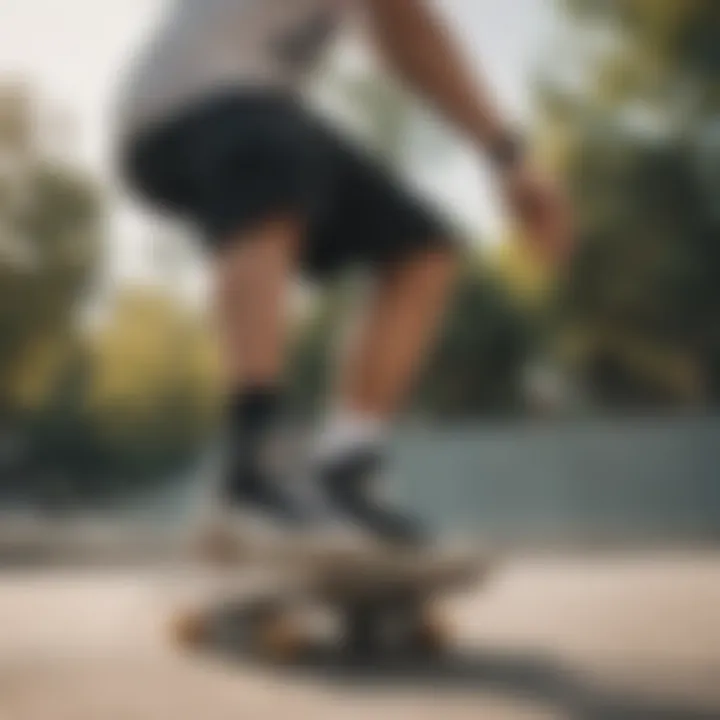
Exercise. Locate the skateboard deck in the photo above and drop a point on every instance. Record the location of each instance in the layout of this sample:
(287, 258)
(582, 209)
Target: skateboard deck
(364, 607)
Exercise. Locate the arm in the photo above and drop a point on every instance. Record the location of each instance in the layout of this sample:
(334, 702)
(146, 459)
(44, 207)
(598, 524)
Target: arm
(419, 48)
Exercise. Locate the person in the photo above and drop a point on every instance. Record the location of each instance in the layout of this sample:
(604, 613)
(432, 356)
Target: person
(215, 129)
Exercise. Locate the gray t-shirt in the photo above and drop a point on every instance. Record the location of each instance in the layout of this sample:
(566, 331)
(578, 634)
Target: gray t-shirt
(204, 46)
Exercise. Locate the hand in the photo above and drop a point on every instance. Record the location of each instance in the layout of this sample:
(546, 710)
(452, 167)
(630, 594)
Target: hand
(542, 211)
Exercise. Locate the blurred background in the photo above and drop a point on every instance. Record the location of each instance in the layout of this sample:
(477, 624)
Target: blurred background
(558, 413)
(554, 403)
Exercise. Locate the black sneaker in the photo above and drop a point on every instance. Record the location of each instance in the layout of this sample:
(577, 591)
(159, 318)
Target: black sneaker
(258, 479)
(268, 506)
(347, 484)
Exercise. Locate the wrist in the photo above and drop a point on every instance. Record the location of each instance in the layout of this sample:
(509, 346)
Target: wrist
(506, 150)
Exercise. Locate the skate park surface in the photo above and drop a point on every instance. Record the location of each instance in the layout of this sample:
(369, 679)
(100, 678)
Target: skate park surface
(603, 635)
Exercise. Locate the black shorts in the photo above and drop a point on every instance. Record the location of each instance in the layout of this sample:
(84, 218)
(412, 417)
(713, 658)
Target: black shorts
(233, 161)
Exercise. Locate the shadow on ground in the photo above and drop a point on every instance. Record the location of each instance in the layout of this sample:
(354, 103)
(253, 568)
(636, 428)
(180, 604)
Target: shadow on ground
(534, 678)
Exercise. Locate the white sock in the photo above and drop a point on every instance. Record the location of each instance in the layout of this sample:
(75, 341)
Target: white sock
(345, 431)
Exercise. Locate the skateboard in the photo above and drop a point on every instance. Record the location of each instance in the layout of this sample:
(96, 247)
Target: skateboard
(363, 607)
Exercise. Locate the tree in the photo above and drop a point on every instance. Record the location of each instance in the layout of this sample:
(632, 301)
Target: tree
(50, 241)
(99, 409)
(153, 384)
(641, 307)
(477, 367)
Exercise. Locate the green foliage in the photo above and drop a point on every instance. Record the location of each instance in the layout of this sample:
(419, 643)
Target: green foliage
(476, 368)
(642, 169)
(50, 222)
(95, 412)
(153, 378)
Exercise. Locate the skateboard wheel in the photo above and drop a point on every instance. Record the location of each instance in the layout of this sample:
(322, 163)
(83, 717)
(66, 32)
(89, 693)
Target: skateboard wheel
(362, 637)
(190, 629)
(276, 638)
(429, 636)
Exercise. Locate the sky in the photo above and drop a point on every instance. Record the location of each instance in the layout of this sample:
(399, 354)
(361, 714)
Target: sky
(73, 52)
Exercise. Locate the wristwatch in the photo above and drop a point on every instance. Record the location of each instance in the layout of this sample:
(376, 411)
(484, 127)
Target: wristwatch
(507, 151)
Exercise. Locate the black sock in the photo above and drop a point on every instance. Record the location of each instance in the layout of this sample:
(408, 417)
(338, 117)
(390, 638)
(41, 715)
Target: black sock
(253, 410)
(251, 415)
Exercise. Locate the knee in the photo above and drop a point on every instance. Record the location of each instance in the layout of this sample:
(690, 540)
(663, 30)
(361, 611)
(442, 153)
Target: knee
(446, 259)
(435, 266)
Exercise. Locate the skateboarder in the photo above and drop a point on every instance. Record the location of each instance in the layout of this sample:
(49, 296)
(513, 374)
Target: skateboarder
(215, 129)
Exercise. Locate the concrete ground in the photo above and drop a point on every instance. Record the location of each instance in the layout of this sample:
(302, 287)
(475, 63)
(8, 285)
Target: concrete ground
(618, 637)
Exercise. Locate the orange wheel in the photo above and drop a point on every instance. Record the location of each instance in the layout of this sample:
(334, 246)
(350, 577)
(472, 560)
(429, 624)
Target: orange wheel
(277, 638)
(430, 635)
(190, 629)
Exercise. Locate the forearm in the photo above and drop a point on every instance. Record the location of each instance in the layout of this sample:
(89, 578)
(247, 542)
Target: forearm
(419, 48)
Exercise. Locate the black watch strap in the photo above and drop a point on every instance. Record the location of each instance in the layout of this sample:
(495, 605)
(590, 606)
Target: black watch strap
(507, 151)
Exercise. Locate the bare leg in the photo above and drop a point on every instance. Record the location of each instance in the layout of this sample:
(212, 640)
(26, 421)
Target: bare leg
(380, 367)
(399, 325)
(252, 279)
